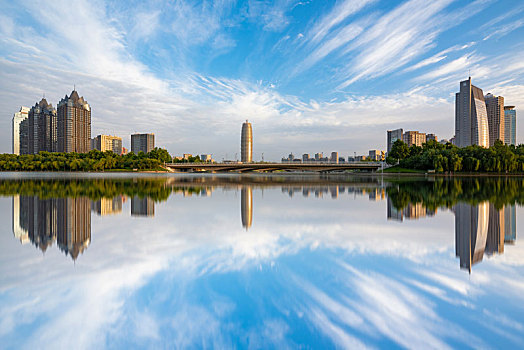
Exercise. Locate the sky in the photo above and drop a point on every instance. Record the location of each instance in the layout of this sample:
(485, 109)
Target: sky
(311, 76)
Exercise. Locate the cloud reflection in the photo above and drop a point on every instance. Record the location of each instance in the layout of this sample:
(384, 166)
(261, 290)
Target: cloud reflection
(310, 270)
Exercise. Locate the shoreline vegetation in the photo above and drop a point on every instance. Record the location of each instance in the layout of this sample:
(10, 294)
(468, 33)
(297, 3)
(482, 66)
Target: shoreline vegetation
(432, 158)
(437, 158)
(85, 162)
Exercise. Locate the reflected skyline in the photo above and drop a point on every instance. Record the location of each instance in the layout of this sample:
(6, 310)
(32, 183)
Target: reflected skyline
(482, 229)
(44, 222)
(479, 230)
(308, 265)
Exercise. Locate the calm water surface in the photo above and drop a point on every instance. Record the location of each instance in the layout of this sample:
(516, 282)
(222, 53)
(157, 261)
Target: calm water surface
(134, 261)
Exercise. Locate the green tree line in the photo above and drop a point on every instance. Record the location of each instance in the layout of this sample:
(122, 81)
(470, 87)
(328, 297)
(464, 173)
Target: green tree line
(91, 161)
(432, 155)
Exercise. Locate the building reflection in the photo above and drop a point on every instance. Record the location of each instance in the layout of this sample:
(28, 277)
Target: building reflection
(246, 206)
(482, 229)
(19, 216)
(412, 211)
(374, 194)
(142, 206)
(108, 206)
(66, 221)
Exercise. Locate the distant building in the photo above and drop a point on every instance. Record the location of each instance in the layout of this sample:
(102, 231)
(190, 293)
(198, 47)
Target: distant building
(430, 137)
(341, 159)
(319, 156)
(495, 110)
(305, 157)
(142, 143)
(246, 143)
(74, 124)
(206, 158)
(377, 155)
(42, 128)
(107, 143)
(290, 158)
(186, 156)
(334, 157)
(19, 131)
(471, 116)
(510, 125)
(414, 138)
(124, 150)
(394, 135)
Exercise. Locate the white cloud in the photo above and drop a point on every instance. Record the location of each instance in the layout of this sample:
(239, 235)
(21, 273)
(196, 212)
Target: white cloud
(337, 15)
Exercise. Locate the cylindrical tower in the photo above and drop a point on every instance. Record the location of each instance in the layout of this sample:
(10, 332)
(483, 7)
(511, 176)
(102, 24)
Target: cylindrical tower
(246, 143)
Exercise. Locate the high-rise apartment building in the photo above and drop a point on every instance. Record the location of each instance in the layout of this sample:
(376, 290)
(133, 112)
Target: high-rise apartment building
(394, 135)
(41, 128)
(334, 157)
(107, 143)
(495, 109)
(142, 143)
(431, 137)
(471, 116)
(414, 138)
(19, 129)
(510, 125)
(74, 124)
(246, 143)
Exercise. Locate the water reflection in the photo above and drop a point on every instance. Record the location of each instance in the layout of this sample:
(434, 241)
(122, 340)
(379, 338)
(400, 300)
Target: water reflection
(327, 262)
(480, 228)
(43, 222)
(108, 206)
(246, 206)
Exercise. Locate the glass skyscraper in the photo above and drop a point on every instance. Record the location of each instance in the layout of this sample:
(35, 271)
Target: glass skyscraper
(471, 116)
(510, 125)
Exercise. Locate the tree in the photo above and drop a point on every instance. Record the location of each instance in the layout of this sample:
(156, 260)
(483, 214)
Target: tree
(399, 150)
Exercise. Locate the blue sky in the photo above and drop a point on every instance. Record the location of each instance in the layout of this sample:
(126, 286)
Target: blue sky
(311, 75)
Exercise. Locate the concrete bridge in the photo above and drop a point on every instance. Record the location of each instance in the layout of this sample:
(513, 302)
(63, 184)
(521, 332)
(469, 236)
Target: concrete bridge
(270, 167)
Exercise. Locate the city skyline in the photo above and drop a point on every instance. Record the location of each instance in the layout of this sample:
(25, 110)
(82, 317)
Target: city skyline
(323, 71)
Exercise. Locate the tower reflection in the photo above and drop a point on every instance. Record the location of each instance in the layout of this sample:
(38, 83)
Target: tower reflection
(43, 222)
(482, 229)
(246, 206)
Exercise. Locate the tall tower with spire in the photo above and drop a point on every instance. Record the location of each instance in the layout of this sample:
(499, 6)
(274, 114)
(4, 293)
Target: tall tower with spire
(74, 124)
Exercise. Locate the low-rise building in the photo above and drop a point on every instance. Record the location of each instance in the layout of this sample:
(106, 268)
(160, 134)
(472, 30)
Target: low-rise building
(377, 155)
(107, 143)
